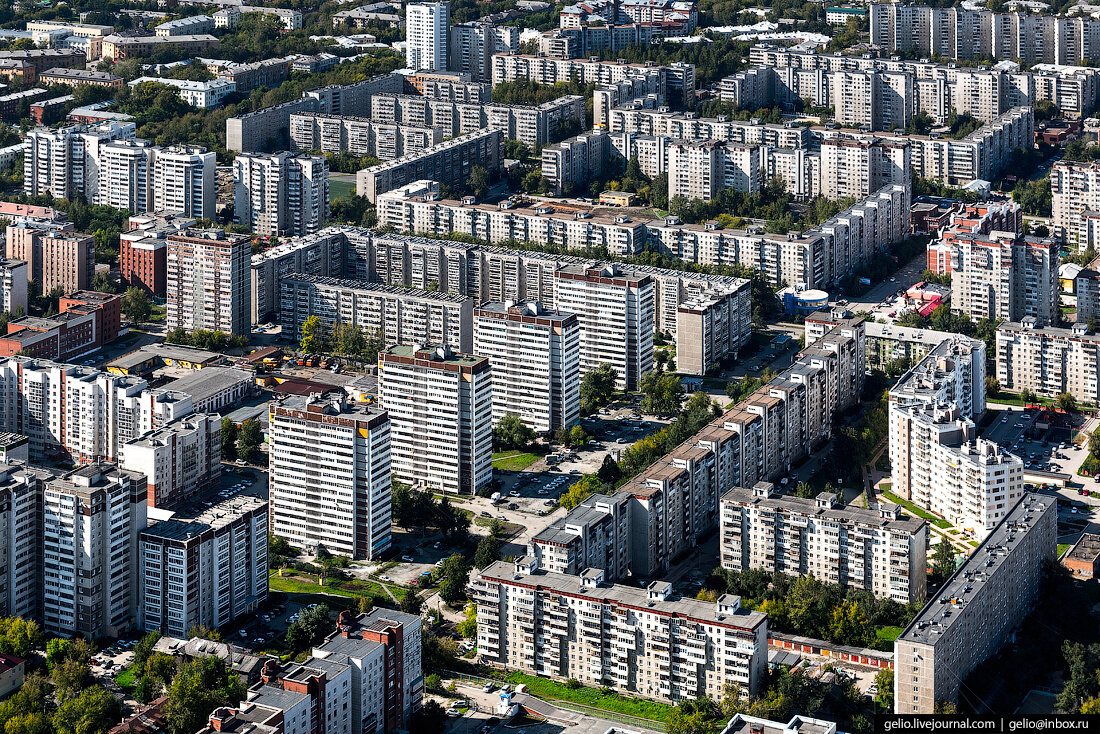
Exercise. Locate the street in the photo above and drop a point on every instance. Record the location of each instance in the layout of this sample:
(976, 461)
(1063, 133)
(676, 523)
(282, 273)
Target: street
(901, 280)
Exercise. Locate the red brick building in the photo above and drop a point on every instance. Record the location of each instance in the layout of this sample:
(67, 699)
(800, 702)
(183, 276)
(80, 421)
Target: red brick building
(87, 321)
(144, 262)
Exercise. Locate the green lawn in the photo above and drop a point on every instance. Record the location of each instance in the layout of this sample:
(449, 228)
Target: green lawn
(126, 679)
(888, 633)
(919, 512)
(594, 697)
(340, 189)
(513, 460)
(353, 588)
(1062, 548)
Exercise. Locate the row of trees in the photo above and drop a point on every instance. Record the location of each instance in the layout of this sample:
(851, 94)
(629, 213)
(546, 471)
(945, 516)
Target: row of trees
(349, 340)
(214, 341)
(241, 442)
(805, 606)
(418, 509)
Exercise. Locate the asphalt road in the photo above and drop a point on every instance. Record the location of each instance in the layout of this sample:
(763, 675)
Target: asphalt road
(906, 276)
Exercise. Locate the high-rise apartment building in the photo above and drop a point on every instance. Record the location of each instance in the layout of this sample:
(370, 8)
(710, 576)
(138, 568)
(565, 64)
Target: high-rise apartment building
(1004, 277)
(330, 476)
(644, 642)
(204, 570)
(21, 487)
(126, 175)
(13, 285)
(56, 257)
(427, 30)
(976, 610)
(876, 550)
(471, 47)
(440, 405)
(535, 358)
(280, 193)
(938, 461)
(1075, 190)
(91, 518)
(183, 181)
(65, 162)
(615, 309)
(208, 281)
(179, 460)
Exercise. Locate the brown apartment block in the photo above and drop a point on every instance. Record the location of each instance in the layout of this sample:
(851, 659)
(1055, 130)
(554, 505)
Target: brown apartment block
(56, 257)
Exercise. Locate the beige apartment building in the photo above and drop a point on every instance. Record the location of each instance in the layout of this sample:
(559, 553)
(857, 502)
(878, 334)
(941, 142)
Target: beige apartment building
(1004, 277)
(440, 404)
(1049, 361)
(644, 642)
(972, 616)
(881, 551)
(55, 258)
(208, 281)
(1075, 190)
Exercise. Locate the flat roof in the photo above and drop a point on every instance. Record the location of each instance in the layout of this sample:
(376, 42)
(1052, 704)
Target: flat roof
(949, 604)
(208, 382)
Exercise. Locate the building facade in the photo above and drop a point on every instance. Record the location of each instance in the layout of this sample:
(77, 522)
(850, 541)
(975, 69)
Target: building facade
(208, 281)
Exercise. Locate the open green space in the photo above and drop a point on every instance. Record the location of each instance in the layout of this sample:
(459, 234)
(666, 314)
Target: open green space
(338, 189)
(306, 583)
(513, 460)
(939, 522)
(594, 697)
(1062, 548)
(126, 679)
(888, 633)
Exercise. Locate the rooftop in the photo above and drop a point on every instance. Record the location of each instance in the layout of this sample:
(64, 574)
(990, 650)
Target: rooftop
(824, 507)
(641, 599)
(966, 583)
(441, 354)
(208, 382)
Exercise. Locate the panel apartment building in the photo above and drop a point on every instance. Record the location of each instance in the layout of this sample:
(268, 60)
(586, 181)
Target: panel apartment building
(440, 405)
(360, 135)
(875, 550)
(449, 163)
(330, 476)
(179, 460)
(646, 642)
(975, 612)
(1049, 361)
(939, 463)
(208, 281)
(535, 359)
(404, 315)
(670, 507)
(1005, 277)
(208, 570)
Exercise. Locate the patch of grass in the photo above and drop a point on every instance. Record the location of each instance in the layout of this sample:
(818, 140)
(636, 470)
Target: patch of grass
(127, 679)
(939, 522)
(513, 460)
(594, 697)
(338, 189)
(1062, 548)
(888, 633)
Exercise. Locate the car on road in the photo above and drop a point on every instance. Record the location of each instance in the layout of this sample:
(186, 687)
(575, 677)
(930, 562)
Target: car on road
(488, 688)
(513, 493)
(453, 712)
(407, 559)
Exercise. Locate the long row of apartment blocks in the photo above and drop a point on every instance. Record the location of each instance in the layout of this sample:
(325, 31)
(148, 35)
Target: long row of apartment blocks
(348, 273)
(670, 506)
(886, 93)
(813, 259)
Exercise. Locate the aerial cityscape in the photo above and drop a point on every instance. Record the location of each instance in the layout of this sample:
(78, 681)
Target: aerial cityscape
(528, 367)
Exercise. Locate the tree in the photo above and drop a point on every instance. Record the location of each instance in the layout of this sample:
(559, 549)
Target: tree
(146, 689)
(454, 575)
(203, 632)
(609, 471)
(1067, 402)
(19, 636)
(136, 305)
(468, 627)
(103, 283)
(95, 711)
(313, 623)
(200, 686)
(884, 681)
(992, 387)
(943, 561)
(579, 492)
(69, 677)
(314, 336)
(430, 718)
(144, 649)
(662, 393)
(511, 432)
(33, 722)
(229, 439)
(488, 552)
(1034, 197)
(1028, 396)
(479, 181)
(411, 603)
(597, 387)
(577, 435)
(249, 439)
